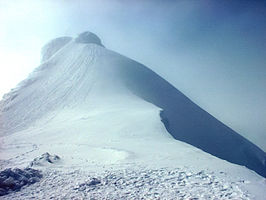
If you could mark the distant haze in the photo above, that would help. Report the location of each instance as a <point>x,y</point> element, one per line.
<point>213,51</point>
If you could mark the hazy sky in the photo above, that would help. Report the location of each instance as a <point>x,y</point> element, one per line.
<point>213,51</point>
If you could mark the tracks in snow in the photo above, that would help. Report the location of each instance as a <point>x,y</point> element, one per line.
<point>129,183</point>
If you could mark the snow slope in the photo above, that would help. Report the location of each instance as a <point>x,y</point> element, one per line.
<point>97,109</point>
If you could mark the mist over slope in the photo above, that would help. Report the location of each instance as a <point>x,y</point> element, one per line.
<point>80,75</point>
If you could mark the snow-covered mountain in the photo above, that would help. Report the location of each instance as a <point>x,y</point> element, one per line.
<point>94,108</point>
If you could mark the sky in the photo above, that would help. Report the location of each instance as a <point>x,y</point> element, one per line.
<point>213,51</point>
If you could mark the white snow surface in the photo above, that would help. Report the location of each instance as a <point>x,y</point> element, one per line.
<point>76,106</point>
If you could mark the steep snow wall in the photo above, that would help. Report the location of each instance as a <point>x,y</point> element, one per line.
<point>187,122</point>
<point>77,72</point>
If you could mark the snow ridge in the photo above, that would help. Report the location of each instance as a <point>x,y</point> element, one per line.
<point>96,108</point>
<point>83,71</point>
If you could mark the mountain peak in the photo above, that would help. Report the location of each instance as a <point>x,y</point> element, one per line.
<point>78,79</point>
<point>88,37</point>
<point>53,46</point>
<point>56,44</point>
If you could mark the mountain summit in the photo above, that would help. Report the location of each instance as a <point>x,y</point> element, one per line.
<point>87,38</point>
<point>83,93</point>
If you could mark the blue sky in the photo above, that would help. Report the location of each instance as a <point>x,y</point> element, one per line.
<point>213,51</point>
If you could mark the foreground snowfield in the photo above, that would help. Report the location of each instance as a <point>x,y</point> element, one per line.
<point>145,160</point>
<point>112,144</point>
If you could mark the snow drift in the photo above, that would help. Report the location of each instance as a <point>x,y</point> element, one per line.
<point>79,74</point>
